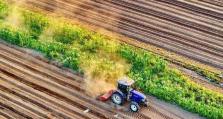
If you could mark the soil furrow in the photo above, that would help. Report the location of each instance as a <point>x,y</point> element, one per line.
<point>218,3</point>
<point>35,108</point>
<point>55,88</point>
<point>29,98</point>
<point>161,14</point>
<point>217,15</point>
<point>8,114</point>
<point>20,108</point>
<point>23,89</point>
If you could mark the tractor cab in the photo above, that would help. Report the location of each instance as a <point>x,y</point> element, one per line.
<point>125,85</point>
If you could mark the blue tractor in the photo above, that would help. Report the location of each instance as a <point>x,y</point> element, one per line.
<point>125,93</point>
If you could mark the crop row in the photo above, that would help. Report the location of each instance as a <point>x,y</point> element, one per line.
<point>81,50</point>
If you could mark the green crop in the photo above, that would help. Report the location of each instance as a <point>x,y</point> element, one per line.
<point>35,23</point>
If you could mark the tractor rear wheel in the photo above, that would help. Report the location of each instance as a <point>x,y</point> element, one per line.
<point>134,107</point>
<point>117,98</point>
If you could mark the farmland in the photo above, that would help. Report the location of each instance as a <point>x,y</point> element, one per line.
<point>98,58</point>
<point>175,26</point>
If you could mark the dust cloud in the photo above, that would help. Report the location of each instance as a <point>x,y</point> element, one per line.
<point>101,77</point>
<point>95,88</point>
<point>14,18</point>
<point>98,78</point>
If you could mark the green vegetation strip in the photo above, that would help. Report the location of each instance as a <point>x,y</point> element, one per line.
<point>102,58</point>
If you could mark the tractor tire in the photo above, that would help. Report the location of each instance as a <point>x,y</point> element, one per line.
<point>117,98</point>
<point>134,107</point>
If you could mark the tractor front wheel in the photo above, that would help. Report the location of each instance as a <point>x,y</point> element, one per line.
<point>134,107</point>
<point>117,98</point>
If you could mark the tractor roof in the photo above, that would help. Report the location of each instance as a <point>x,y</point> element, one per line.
<point>126,81</point>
